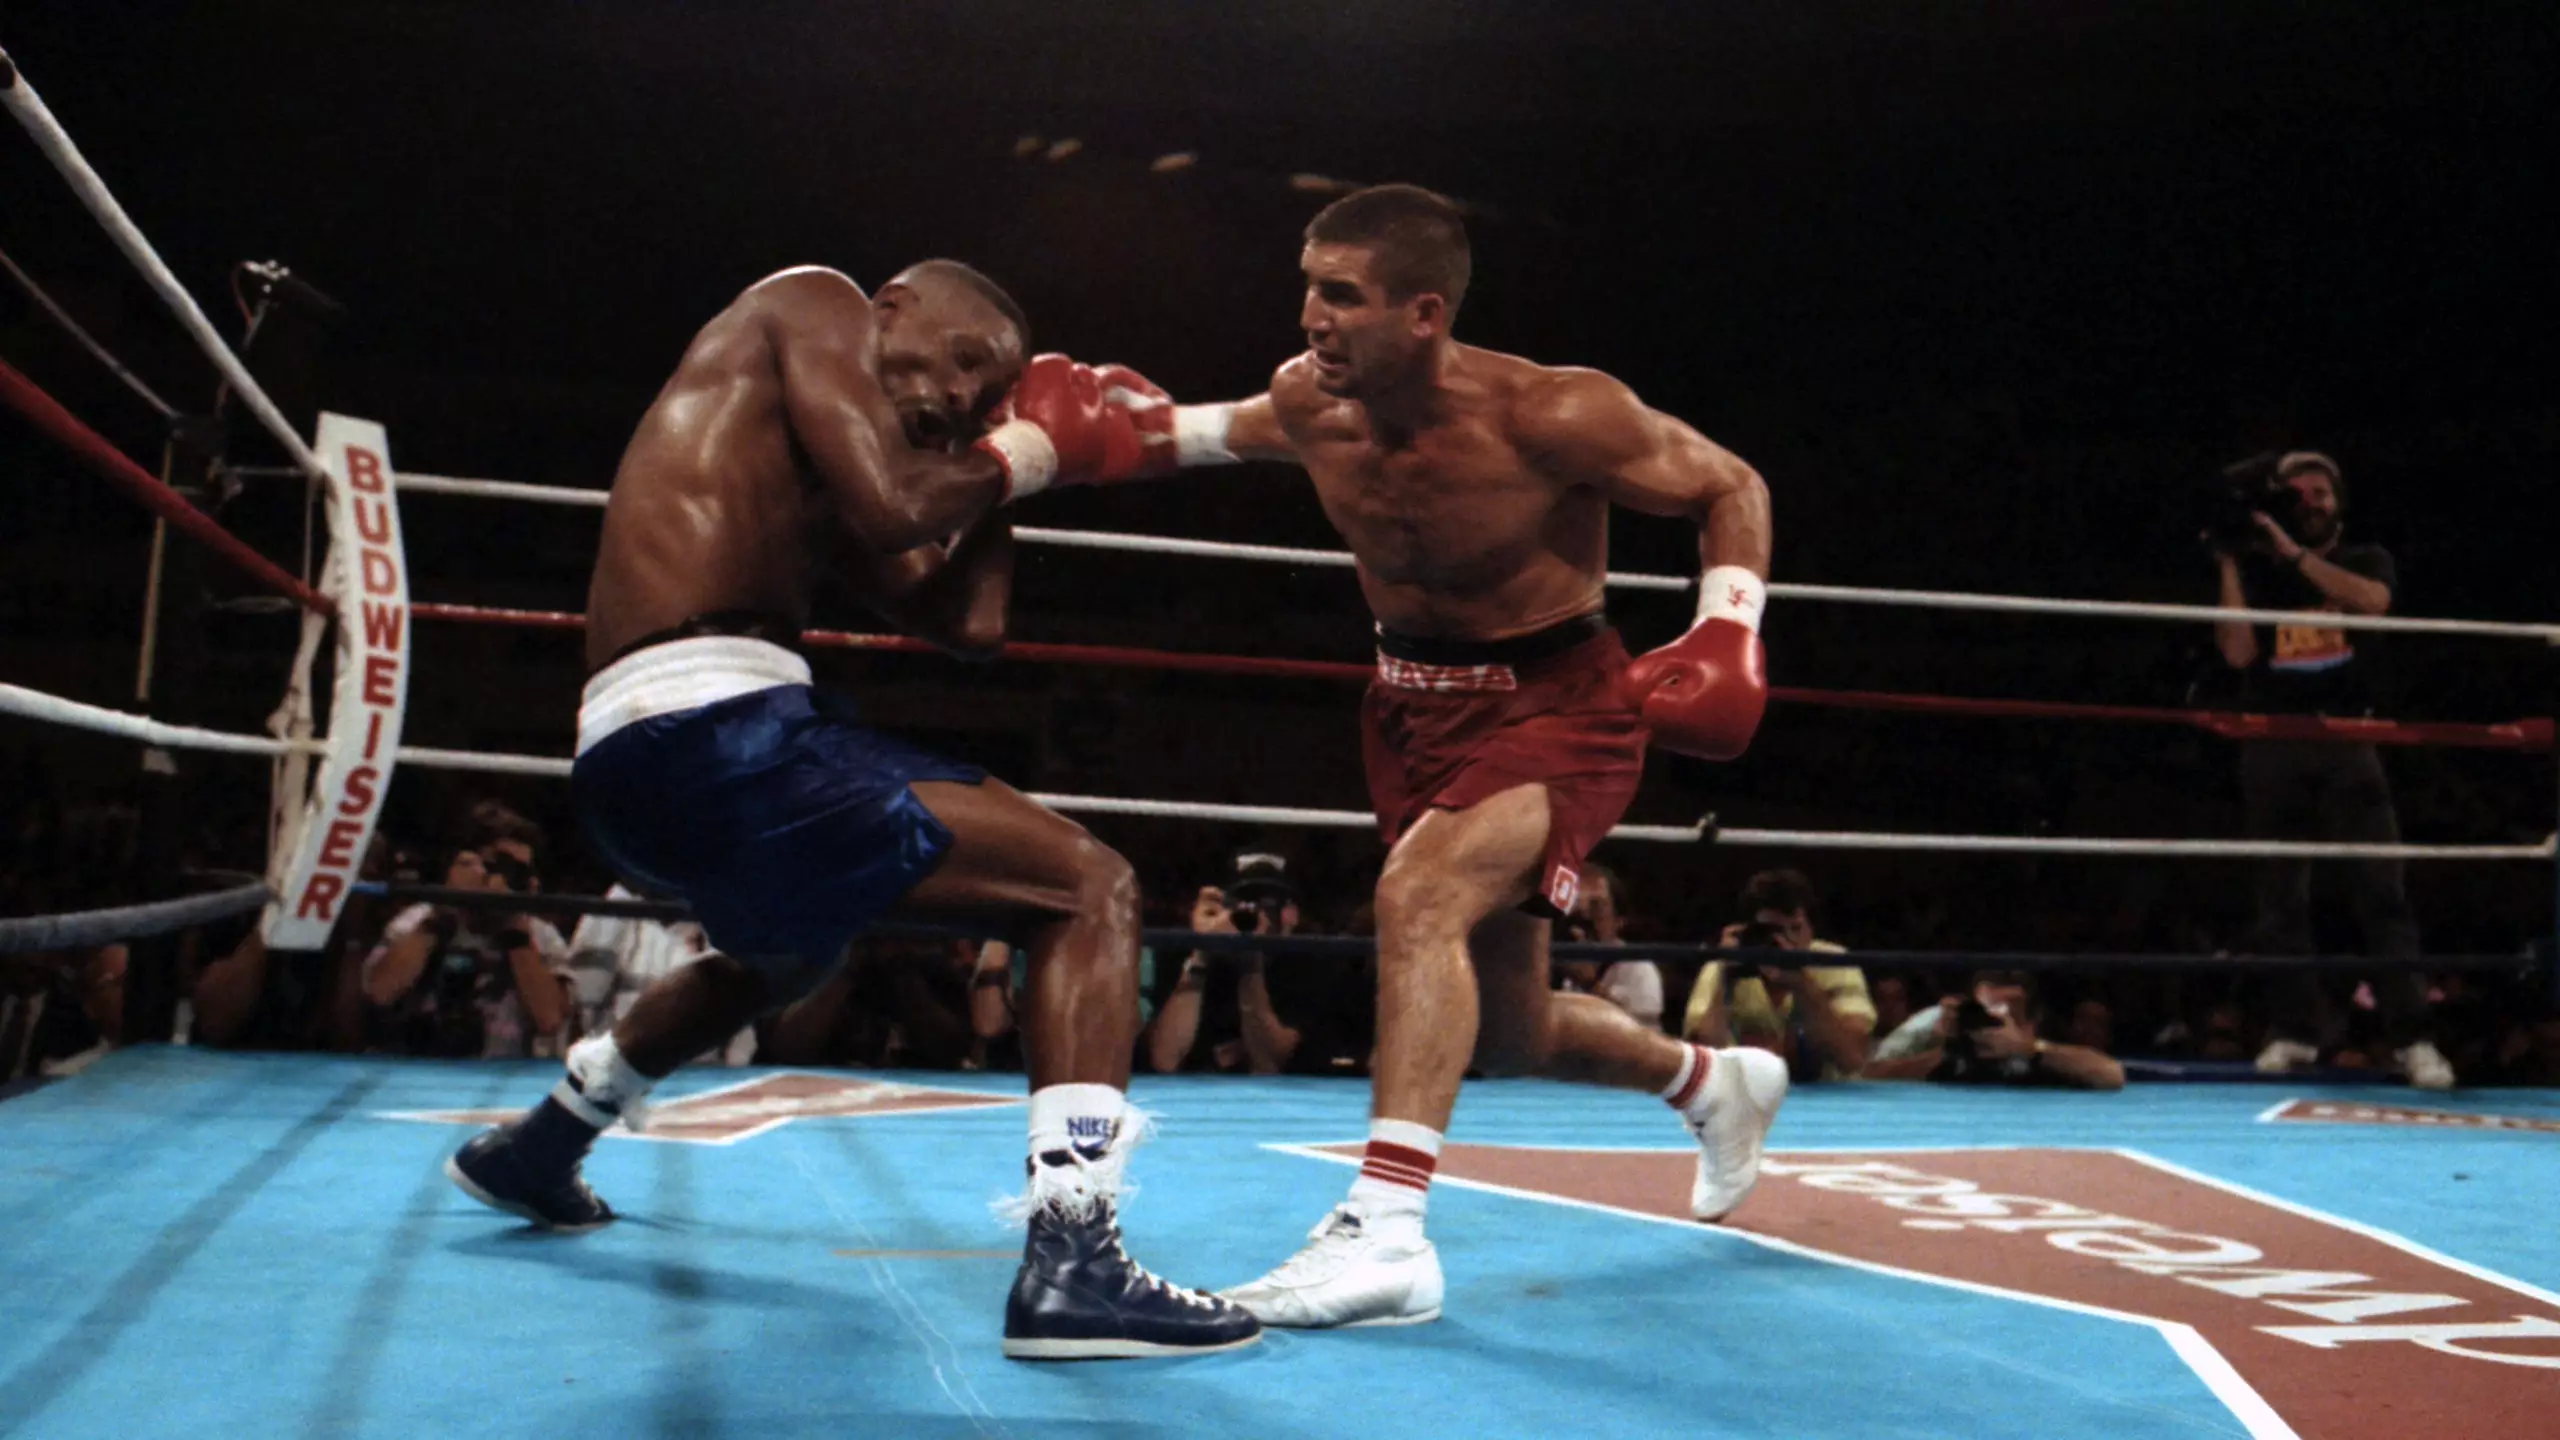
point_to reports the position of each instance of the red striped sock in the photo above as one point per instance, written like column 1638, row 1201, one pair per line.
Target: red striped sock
column 1685, row 1086
column 1395, row 1171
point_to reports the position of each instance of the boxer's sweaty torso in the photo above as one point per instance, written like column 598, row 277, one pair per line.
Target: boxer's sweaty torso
column 1458, row 533
column 714, row 511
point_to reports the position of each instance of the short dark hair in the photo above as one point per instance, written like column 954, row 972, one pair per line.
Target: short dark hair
column 1786, row 891
column 2020, row 979
column 959, row 272
column 494, row 821
column 1419, row 238
column 1601, row 876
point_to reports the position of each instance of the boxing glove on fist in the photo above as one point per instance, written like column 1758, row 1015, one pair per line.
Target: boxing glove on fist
column 1702, row 694
column 1071, row 424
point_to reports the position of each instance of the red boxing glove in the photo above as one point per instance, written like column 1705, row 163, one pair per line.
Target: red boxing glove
column 1071, row 424
column 1703, row 693
column 1151, row 415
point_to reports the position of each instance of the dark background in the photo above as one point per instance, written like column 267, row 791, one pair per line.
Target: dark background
column 1985, row 291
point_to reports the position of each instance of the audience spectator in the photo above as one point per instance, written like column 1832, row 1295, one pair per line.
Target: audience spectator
column 59, row 1010
column 1817, row 1017
column 613, row 958
column 452, row 981
column 896, row 1002
column 1232, row 1011
column 1598, row 917
column 1988, row 1037
column 1892, row 995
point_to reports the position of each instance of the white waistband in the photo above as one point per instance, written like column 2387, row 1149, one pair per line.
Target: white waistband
column 681, row 675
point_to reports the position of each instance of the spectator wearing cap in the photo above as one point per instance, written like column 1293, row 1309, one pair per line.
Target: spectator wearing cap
column 2299, row 560
column 1241, row 1011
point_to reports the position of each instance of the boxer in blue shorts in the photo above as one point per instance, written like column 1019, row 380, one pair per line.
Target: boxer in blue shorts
column 813, row 431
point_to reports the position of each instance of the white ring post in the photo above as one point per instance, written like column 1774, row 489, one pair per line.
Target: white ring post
column 316, row 873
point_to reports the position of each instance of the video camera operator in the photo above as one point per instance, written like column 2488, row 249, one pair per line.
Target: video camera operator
column 1228, row 1011
column 2281, row 546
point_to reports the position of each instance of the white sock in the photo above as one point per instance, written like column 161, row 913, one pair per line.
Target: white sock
column 601, row 1087
column 1687, row 1092
column 1081, row 1136
column 1396, row 1170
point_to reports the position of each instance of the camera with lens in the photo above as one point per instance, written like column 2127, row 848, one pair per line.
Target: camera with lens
column 2241, row 489
column 1257, row 892
column 1972, row 1017
column 507, row 867
column 1760, row 935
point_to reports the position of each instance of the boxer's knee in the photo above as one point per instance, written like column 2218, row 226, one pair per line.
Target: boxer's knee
column 1419, row 913
column 1106, row 883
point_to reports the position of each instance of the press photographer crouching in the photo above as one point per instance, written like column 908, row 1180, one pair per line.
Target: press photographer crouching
column 1817, row 1018
column 1988, row 1037
column 2287, row 551
column 482, row 982
column 1237, row 1011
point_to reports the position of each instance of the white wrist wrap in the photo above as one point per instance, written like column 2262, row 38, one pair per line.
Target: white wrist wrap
column 1030, row 461
column 1729, row 592
column 1200, row 434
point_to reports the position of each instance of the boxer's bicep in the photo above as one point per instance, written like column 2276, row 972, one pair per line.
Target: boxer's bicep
column 1591, row 429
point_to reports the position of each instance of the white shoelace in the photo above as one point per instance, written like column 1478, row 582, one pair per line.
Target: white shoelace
column 1334, row 1234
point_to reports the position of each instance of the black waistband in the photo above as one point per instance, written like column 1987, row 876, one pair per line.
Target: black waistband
column 752, row 624
column 1518, row 650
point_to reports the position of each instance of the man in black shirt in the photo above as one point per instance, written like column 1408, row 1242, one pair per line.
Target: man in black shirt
column 2301, row 790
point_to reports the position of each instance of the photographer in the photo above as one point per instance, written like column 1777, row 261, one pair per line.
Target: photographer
column 1988, row 1037
column 2292, row 555
column 1227, row 1011
column 1597, row 916
column 456, row 983
column 1817, row 1018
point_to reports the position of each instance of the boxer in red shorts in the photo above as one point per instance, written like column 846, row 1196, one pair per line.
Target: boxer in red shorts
column 1506, row 728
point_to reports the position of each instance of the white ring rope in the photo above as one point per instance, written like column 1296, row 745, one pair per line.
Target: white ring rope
column 1785, row 590
column 35, row 704
column 55, row 142
column 88, row 342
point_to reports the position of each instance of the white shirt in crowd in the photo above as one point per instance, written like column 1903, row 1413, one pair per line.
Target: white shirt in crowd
column 613, row 958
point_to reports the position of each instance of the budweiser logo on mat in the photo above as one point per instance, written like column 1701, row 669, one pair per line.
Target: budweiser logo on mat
column 735, row 1112
column 2303, row 1324
column 2340, row 1112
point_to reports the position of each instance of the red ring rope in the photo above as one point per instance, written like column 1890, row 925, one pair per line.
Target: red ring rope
column 2529, row 735
column 46, row 414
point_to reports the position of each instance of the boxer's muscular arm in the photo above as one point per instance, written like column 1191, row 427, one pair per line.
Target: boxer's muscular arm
column 1254, row 433
column 959, row 599
column 1588, row 428
column 891, row 496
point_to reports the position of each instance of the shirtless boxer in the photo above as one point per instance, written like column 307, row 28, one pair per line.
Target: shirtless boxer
column 1505, row 730
column 810, row 430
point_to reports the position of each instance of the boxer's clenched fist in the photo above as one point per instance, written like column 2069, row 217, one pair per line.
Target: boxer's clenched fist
column 1072, row 424
column 1703, row 693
